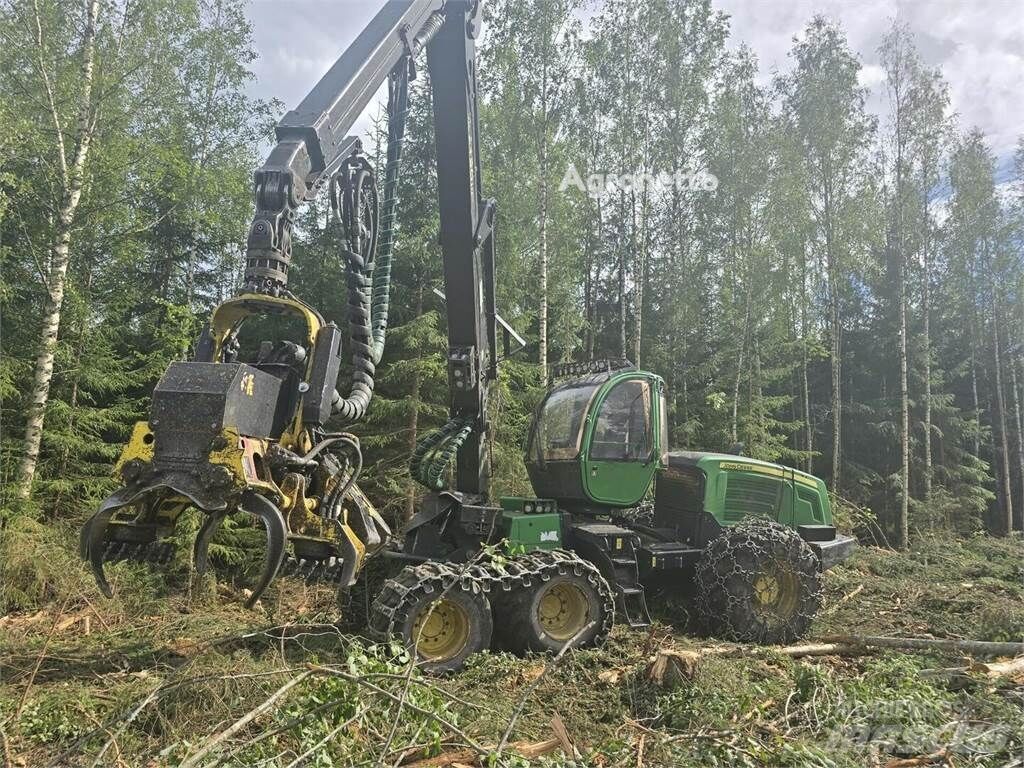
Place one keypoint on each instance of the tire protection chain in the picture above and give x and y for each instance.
(723, 567)
(391, 606)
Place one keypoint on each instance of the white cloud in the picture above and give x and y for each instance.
(979, 44)
(871, 76)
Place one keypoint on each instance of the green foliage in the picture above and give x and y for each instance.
(36, 564)
(749, 299)
(164, 206)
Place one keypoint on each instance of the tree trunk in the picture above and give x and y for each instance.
(974, 394)
(542, 223)
(926, 352)
(903, 538)
(588, 293)
(808, 425)
(60, 249)
(412, 426)
(837, 369)
(622, 284)
(1007, 521)
(1020, 442)
(641, 279)
(734, 433)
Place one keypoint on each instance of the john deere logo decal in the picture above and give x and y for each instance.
(248, 383)
(730, 466)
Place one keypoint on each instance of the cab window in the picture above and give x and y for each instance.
(623, 428)
(559, 428)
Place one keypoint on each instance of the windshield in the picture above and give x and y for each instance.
(560, 424)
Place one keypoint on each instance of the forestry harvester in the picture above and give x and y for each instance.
(254, 423)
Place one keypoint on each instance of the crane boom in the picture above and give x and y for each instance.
(313, 141)
(248, 430)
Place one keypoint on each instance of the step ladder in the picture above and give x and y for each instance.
(630, 598)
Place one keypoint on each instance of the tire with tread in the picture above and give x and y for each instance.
(563, 577)
(408, 598)
(758, 582)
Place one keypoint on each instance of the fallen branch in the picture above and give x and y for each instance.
(5, 747)
(941, 758)
(124, 724)
(862, 645)
(241, 722)
(155, 694)
(335, 672)
(533, 686)
(446, 759)
(976, 647)
(793, 651)
(823, 649)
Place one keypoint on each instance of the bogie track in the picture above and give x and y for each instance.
(515, 580)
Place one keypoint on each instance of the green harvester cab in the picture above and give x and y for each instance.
(598, 444)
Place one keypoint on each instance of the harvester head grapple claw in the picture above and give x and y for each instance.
(201, 549)
(277, 536)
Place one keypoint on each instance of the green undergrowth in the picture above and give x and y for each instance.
(155, 675)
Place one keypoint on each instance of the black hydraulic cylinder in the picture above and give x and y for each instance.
(317, 400)
(451, 57)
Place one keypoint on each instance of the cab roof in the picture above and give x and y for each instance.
(600, 377)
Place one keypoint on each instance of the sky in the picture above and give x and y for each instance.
(979, 45)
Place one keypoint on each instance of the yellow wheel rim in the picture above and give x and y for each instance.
(563, 611)
(776, 592)
(441, 630)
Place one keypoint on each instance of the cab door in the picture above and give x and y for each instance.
(621, 443)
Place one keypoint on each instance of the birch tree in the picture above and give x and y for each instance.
(72, 136)
(916, 106)
(825, 105)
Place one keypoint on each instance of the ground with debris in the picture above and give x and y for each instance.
(193, 679)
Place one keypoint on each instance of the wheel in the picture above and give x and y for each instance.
(448, 630)
(549, 613)
(445, 620)
(758, 582)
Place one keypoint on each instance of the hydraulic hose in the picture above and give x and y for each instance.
(367, 247)
(398, 112)
(435, 452)
(354, 202)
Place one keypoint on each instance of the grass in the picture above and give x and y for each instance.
(149, 677)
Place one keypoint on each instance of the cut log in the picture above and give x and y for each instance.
(975, 647)
(823, 649)
(1013, 669)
